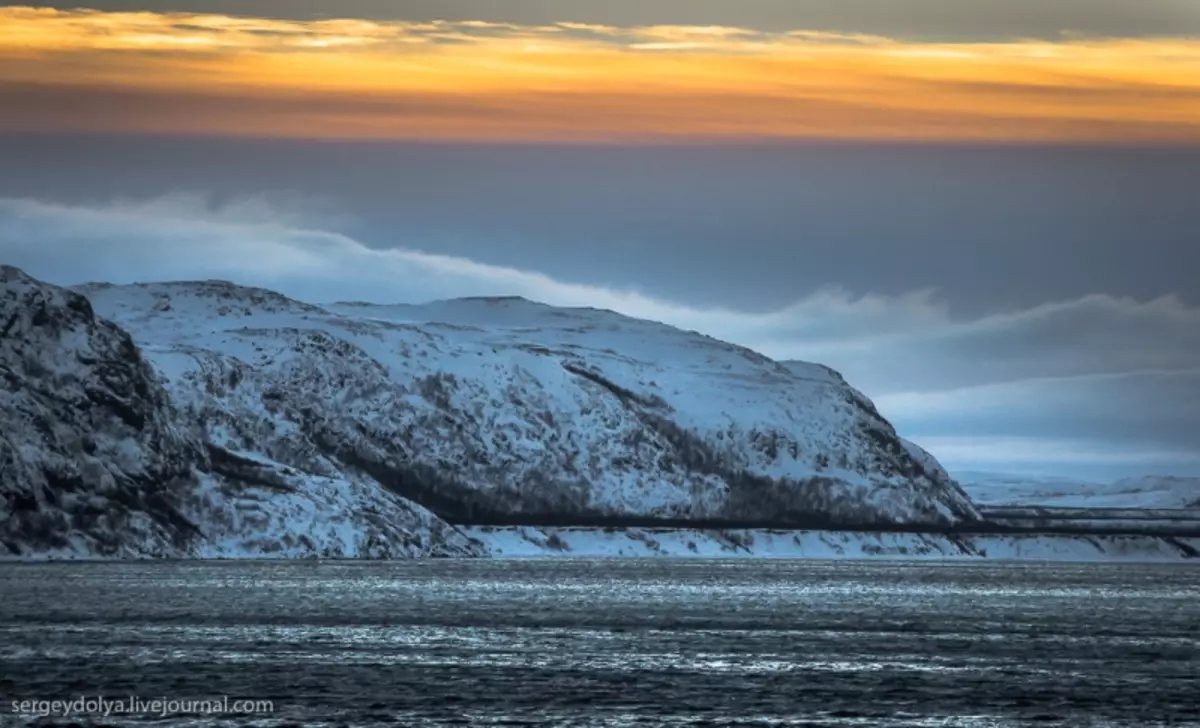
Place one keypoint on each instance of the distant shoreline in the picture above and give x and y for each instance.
(550, 542)
(526, 541)
(997, 521)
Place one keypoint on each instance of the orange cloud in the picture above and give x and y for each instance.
(213, 74)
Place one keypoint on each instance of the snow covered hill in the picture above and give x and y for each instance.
(490, 407)
(1148, 492)
(345, 417)
(95, 460)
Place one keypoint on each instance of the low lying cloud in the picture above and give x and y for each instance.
(1099, 374)
(1149, 408)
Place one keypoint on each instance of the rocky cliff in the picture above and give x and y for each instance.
(95, 459)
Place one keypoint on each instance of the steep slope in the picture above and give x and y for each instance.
(95, 460)
(88, 442)
(491, 409)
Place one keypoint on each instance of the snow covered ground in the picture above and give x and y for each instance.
(1149, 492)
(524, 542)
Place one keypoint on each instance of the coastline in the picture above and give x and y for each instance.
(587, 542)
(549, 542)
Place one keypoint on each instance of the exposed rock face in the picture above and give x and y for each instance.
(236, 421)
(89, 443)
(96, 460)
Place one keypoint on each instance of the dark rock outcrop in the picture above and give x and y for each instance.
(89, 441)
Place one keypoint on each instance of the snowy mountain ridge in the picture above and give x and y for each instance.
(1144, 492)
(363, 418)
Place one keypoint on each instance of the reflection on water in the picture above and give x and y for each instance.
(612, 642)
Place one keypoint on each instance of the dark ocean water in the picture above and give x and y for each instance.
(608, 643)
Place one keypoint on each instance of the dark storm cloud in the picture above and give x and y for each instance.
(1077, 93)
(95, 107)
(756, 228)
(30, 105)
(915, 19)
(1094, 335)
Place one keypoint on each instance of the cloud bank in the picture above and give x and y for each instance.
(473, 80)
(924, 19)
(1084, 386)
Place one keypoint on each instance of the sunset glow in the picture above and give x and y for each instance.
(213, 74)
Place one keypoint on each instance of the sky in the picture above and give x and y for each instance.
(983, 213)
